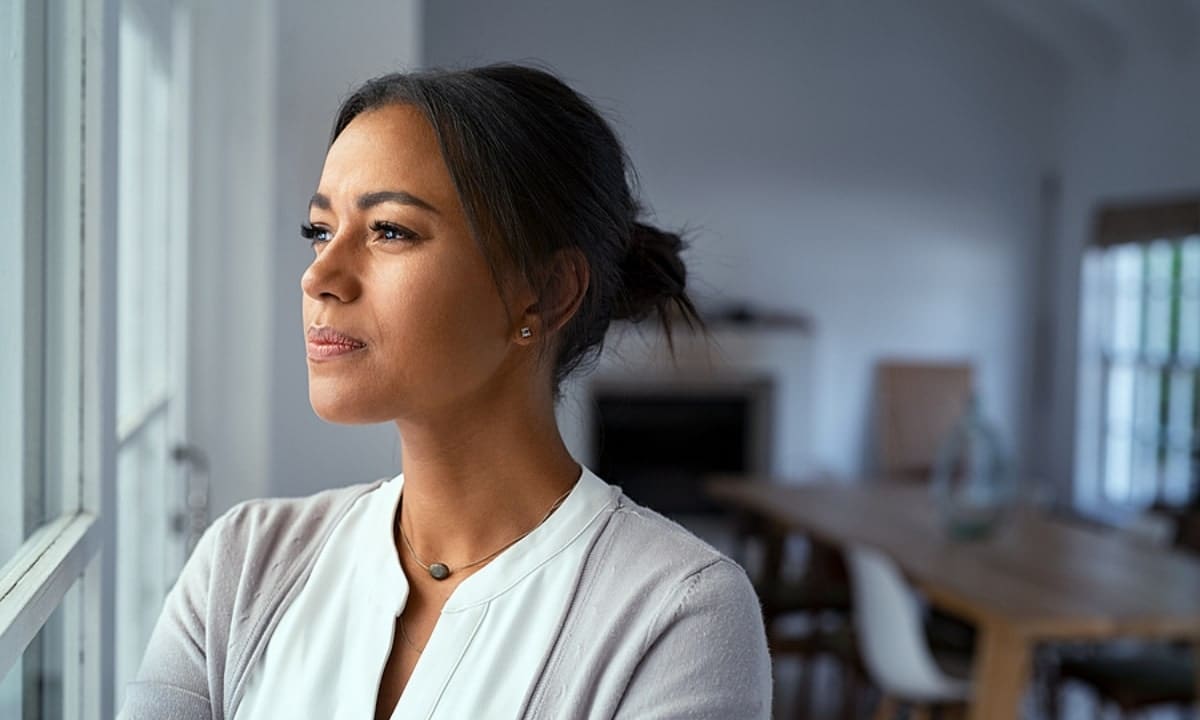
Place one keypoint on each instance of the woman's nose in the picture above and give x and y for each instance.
(333, 273)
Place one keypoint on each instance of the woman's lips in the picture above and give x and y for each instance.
(325, 343)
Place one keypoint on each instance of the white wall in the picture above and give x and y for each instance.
(268, 77)
(325, 51)
(232, 189)
(1129, 134)
(871, 164)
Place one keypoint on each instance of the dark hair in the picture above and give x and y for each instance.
(539, 171)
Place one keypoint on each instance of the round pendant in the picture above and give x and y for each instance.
(439, 571)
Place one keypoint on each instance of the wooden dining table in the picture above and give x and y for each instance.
(1035, 579)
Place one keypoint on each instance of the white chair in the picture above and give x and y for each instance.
(891, 638)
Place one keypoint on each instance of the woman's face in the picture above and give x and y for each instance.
(401, 311)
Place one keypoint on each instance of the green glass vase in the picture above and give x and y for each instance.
(971, 485)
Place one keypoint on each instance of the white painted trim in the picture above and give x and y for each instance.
(12, 20)
(22, 186)
(64, 254)
(128, 428)
(94, 693)
(38, 578)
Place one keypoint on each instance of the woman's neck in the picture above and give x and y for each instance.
(472, 484)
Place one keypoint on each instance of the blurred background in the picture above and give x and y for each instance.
(918, 180)
(893, 208)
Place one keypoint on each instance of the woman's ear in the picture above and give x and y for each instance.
(567, 280)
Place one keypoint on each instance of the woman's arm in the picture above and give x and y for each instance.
(173, 679)
(708, 657)
(219, 613)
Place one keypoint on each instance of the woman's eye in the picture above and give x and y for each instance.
(315, 233)
(392, 233)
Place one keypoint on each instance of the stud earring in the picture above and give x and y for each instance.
(526, 332)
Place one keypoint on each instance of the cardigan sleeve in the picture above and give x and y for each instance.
(221, 609)
(181, 670)
(707, 654)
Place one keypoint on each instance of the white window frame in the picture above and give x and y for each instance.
(82, 146)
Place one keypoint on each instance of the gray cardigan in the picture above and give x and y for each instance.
(659, 624)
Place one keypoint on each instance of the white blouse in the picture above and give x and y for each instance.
(326, 657)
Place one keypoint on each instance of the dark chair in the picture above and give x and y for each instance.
(820, 597)
(1133, 681)
(1142, 678)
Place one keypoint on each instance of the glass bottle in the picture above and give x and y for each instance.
(971, 484)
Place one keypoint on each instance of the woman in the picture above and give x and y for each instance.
(474, 234)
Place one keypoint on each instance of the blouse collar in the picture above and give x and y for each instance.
(582, 507)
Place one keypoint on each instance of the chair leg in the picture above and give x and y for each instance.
(886, 709)
(806, 695)
(1052, 697)
(954, 711)
(849, 710)
(1049, 682)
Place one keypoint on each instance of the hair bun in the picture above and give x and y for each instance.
(653, 273)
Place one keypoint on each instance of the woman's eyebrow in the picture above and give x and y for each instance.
(371, 199)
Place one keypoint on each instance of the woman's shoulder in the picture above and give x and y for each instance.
(264, 541)
(642, 561)
(659, 543)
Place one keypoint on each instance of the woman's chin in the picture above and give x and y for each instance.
(341, 409)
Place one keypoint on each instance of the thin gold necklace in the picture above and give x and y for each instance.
(441, 571)
(404, 634)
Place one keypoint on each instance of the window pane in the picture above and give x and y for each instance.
(1189, 300)
(1119, 440)
(145, 227)
(12, 135)
(1181, 437)
(1127, 300)
(39, 128)
(1156, 310)
(33, 688)
(145, 570)
(151, 322)
(1147, 434)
